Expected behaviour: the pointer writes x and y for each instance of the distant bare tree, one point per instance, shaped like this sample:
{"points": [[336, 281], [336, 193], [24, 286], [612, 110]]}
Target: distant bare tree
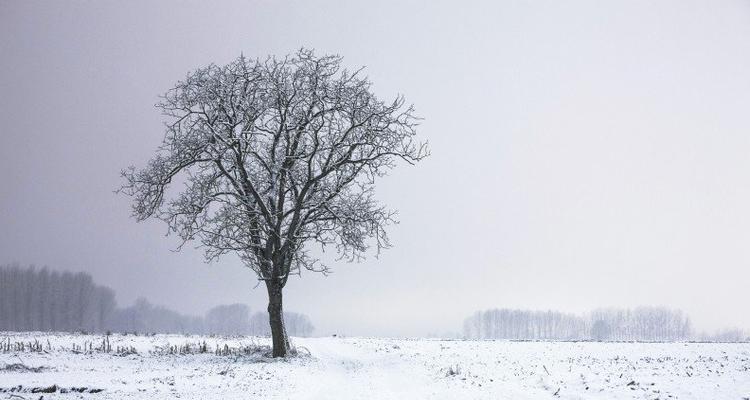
{"points": [[274, 155]]}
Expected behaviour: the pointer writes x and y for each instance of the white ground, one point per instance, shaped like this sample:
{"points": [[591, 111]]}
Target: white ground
{"points": [[368, 368]]}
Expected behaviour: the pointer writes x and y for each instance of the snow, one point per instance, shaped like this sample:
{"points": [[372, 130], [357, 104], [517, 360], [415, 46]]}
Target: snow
{"points": [[372, 368]]}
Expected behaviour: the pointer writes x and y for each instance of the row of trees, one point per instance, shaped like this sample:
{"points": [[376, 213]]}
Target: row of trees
{"points": [[232, 319], [643, 323], [44, 300], [523, 324], [726, 335], [34, 299], [639, 324]]}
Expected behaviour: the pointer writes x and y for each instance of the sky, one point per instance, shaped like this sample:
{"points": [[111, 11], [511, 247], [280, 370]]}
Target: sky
{"points": [[584, 153]]}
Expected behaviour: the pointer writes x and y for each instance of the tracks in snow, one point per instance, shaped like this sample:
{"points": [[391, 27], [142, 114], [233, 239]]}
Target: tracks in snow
{"points": [[345, 371]]}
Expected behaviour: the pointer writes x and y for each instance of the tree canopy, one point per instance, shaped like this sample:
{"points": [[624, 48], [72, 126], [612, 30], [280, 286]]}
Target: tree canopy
{"points": [[276, 153]]}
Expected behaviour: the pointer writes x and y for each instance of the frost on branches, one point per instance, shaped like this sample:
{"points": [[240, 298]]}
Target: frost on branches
{"points": [[275, 154]]}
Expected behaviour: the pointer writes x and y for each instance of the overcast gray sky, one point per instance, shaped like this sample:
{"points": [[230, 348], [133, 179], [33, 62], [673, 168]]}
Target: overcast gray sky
{"points": [[584, 153]]}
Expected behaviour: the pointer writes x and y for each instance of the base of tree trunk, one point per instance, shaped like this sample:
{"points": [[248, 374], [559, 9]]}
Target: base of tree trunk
{"points": [[279, 337]]}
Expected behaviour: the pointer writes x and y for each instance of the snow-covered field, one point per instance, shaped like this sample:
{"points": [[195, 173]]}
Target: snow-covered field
{"points": [[175, 366]]}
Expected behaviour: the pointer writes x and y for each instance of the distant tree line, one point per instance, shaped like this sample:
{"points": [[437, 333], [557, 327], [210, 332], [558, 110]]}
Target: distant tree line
{"points": [[610, 324], [726, 335], [643, 323], [43, 300], [233, 319], [34, 299], [523, 324], [296, 324]]}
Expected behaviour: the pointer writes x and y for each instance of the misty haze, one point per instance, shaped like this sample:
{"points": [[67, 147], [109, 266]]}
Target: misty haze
{"points": [[374, 200]]}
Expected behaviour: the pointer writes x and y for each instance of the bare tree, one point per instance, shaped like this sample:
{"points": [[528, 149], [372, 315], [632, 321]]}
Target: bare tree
{"points": [[276, 155]]}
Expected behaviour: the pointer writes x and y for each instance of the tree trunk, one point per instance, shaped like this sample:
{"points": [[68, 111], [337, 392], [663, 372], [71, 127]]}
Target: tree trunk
{"points": [[276, 319]]}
